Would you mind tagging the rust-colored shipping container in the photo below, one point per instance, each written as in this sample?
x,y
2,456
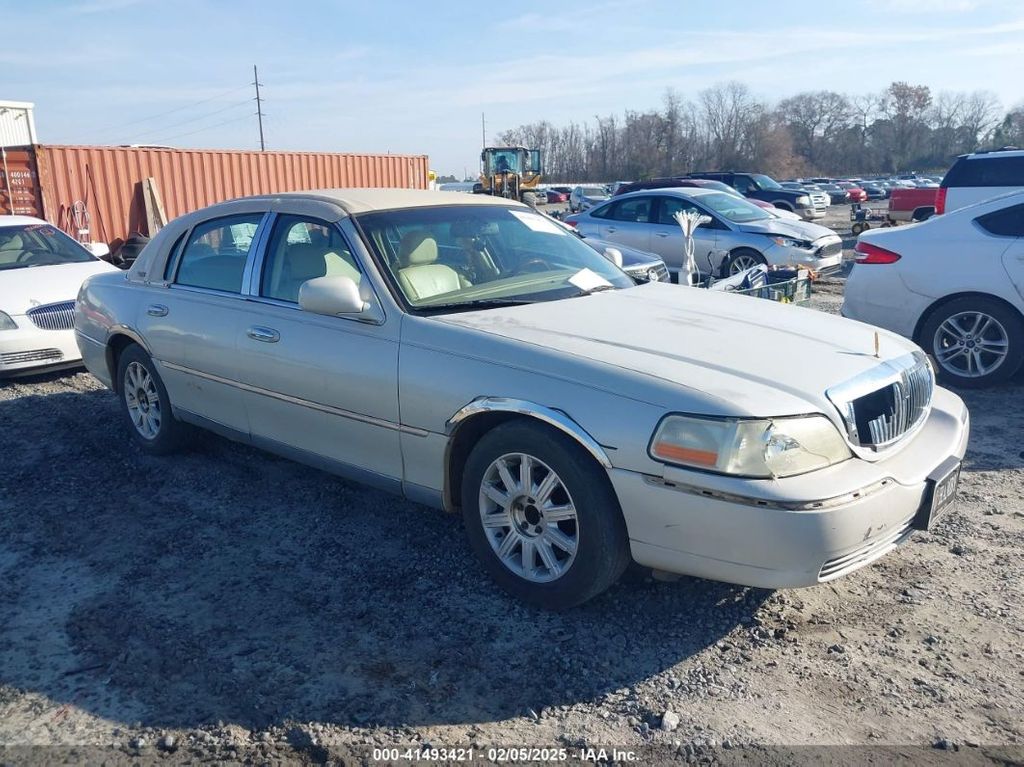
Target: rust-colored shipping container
x,y
100,188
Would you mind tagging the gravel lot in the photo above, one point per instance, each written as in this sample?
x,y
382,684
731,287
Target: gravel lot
x,y
230,604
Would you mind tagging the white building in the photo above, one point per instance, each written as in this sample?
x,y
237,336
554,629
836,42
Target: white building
x,y
17,125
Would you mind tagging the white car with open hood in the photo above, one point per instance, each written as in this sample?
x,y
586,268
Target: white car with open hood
x,y
472,355
41,270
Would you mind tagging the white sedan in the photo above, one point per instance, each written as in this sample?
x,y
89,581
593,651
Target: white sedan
x,y
41,270
954,284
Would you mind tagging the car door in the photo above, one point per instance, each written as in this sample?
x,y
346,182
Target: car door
x,y
667,238
628,222
324,388
192,326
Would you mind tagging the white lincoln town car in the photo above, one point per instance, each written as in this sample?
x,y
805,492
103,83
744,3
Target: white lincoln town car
x,y
470,354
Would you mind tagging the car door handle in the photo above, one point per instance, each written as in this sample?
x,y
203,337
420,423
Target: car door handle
x,y
610,229
266,335
662,234
156,310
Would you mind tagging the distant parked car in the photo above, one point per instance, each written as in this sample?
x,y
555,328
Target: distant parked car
x,y
738,236
912,204
761,187
674,182
954,284
874,191
41,270
980,176
836,194
583,197
554,196
853,192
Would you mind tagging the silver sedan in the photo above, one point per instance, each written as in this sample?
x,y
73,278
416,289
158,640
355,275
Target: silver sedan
x,y
737,236
470,354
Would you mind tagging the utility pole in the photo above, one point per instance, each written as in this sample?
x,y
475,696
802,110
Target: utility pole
x,y
259,110
483,130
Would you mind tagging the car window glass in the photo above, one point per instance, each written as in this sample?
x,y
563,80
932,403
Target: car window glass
x,y
301,249
216,251
29,245
637,210
987,171
670,206
1008,222
602,212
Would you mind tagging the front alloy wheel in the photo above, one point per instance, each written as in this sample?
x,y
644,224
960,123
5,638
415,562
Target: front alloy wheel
x,y
542,516
529,517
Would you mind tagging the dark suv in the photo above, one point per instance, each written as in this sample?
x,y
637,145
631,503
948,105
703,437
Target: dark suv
x,y
758,186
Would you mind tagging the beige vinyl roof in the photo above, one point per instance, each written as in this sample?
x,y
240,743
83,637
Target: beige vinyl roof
x,y
364,200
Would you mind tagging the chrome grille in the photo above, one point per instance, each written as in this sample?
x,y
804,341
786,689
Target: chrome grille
x,y
887,402
642,273
819,200
867,553
53,316
35,355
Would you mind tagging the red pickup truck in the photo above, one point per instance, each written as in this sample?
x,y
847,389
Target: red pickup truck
x,y
912,204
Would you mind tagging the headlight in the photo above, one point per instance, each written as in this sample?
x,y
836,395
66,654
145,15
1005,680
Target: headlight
x,y
787,242
6,323
770,447
803,200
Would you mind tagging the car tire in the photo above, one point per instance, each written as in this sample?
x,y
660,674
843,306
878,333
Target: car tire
x,y
740,259
576,537
975,341
781,205
145,404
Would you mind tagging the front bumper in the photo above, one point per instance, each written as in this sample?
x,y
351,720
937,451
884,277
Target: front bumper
x,y
810,213
791,532
28,349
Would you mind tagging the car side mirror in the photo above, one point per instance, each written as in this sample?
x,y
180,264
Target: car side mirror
x,y
331,296
614,255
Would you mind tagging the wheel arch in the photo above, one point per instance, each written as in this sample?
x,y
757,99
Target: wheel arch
x,y
470,423
939,303
120,338
783,205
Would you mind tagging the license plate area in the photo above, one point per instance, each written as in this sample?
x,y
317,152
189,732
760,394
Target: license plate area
x,y
940,493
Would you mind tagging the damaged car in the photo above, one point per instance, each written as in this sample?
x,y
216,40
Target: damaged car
x,y
467,353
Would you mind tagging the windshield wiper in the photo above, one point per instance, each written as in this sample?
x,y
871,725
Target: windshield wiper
x,y
595,289
479,303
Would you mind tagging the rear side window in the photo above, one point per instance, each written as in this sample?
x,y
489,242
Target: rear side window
x,y
990,170
215,253
1008,222
637,210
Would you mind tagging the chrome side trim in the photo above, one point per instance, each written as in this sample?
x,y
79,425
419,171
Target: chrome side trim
x,y
329,409
555,418
766,503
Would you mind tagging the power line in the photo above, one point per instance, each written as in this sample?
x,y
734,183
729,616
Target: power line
x,y
171,111
205,128
162,128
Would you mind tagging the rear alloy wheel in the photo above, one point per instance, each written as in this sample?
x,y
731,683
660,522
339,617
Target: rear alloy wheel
x,y
975,342
741,260
542,516
145,404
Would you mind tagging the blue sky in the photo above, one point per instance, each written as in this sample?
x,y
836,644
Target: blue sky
x,y
415,76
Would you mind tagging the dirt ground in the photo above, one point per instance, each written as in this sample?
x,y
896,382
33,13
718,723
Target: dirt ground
x,y
226,604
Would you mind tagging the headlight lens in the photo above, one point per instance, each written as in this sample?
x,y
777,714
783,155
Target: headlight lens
x,y
6,323
769,447
803,200
788,242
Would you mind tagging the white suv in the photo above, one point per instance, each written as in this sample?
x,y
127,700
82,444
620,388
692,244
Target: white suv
x,y
980,176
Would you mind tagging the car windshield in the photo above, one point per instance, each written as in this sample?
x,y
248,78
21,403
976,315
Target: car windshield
x,y
38,245
766,182
593,191
474,255
735,209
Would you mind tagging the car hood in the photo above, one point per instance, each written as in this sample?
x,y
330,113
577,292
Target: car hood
x,y
746,356
630,256
801,230
21,289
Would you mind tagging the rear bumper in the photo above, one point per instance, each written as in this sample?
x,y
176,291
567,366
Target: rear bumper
x,y
793,532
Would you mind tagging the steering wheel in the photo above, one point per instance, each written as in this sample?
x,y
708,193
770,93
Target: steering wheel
x,y
29,255
532,266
